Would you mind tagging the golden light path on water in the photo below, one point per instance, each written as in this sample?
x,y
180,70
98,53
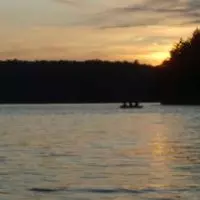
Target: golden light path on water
x,y
164,153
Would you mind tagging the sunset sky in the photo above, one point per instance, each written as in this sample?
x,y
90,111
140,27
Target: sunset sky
x,y
88,29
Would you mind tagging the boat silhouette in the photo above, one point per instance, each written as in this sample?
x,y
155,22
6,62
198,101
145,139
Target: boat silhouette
x,y
130,105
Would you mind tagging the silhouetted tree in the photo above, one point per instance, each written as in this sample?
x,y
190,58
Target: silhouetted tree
x,y
181,83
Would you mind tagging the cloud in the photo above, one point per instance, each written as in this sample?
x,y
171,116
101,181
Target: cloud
x,y
133,13
70,2
149,12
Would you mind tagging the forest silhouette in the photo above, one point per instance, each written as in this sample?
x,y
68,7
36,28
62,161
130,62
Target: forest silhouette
x,y
175,81
181,72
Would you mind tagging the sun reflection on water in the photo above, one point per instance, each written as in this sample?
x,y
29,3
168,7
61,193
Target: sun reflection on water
x,y
159,164
160,147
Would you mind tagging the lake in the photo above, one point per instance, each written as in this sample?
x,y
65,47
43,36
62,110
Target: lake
x,y
97,151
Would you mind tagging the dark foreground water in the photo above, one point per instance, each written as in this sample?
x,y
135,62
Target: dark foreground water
x,y
87,152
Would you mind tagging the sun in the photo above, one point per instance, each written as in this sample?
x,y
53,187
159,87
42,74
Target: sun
x,y
159,56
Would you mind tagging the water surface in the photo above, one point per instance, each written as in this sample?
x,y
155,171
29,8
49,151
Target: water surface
x,y
86,152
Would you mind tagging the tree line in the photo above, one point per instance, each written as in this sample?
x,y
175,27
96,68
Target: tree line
x,y
76,82
175,81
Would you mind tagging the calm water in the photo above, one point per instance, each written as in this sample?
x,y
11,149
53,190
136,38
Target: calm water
x,y
86,152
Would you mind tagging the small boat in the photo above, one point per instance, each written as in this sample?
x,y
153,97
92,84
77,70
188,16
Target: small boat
x,y
131,106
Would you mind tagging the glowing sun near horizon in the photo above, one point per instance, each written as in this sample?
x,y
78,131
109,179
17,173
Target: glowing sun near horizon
x,y
159,57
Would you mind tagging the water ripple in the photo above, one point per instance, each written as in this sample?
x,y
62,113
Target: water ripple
x,y
99,151
93,190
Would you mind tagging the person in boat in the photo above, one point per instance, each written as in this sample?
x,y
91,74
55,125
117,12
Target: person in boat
x,y
137,104
130,105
